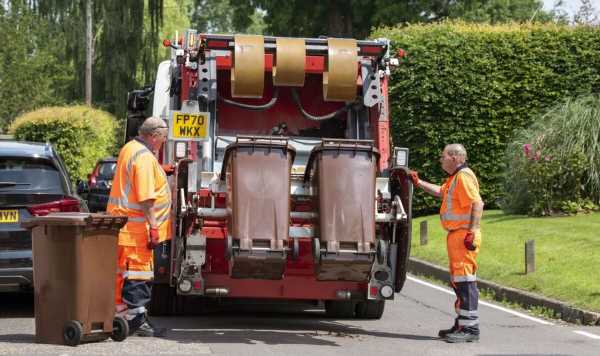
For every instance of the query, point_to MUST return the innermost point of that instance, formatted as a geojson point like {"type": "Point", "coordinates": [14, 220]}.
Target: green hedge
{"type": "Point", "coordinates": [80, 134]}
{"type": "Point", "coordinates": [477, 84]}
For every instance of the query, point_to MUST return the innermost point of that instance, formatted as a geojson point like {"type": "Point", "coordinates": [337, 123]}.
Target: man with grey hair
{"type": "Point", "coordinates": [460, 214]}
{"type": "Point", "coordinates": [141, 192]}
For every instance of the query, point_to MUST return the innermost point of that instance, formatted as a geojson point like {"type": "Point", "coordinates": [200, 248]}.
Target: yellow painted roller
{"type": "Point", "coordinates": [290, 59]}
{"type": "Point", "coordinates": [248, 72]}
{"type": "Point", "coordinates": [339, 78]}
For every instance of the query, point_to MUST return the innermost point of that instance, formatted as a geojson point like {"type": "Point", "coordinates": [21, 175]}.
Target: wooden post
{"type": "Point", "coordinates": [529, 256]}
{"type": "Point", "coordinates": [423, 232]}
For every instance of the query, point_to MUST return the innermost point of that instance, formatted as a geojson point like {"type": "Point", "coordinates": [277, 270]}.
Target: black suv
{"type": "Point", "coordinates": [99, 184]}
{"type": "Point", "coordinates": [33, 182]}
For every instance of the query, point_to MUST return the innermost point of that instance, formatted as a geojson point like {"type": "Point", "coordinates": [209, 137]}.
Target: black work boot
{"type": "Point", "coordinates": [148, 330]}
{"type": "Point", "coordinates": [462, 336]}
{"type": "Point", "coordinates": [443, 333]}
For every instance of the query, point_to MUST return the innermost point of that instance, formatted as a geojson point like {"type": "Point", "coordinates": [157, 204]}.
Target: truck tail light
{"type": "Point", "coordinates": [59, 206]}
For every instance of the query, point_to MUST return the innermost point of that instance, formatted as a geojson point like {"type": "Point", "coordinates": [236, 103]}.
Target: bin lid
{"type": "Point", "coordinates": [100, 221]}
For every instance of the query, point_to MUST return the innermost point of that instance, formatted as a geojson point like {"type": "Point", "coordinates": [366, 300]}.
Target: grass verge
{"type": "Point", "coordinates": [567, 254]}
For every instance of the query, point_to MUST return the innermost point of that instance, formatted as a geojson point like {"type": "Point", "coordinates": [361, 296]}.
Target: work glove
{"type": "Point", "coordinates": [168, 168]}
{"type": "Point", "coordinates": [152, 238]}
{"type": "Point", "coordinates": [414, 176]}
{"type": "Point", "coordinates": [470, 241]}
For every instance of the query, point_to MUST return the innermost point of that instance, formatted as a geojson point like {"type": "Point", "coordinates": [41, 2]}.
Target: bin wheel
{"type": "Point", "coordinates": [295, 249]}
{"type": "Point", "coordinates": [381, 251]}
{"type": "Point", "coordinates": [316, 246]}
{"type": "Point", "coordinates": [120, 329]}
{"type": "Point", "coordinates": [72, 332]}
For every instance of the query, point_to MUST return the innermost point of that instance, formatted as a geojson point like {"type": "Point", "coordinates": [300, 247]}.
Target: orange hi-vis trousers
{"type": "Point", "coordinates": [463, 268]}
{"type": "Point", "coordinates": [134, 277]}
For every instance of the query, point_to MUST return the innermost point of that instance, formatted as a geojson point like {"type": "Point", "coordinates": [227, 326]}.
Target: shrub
{"type": "Point", "coordinates": [477, 84]}
{"type": "Point", "coordinates": [554, 166]}
{"type": "Point", "coordinates": [80, 134]}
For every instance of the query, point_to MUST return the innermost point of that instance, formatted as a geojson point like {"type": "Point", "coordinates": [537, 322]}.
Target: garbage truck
{"type": "Point", "coordinates": [287, 186]}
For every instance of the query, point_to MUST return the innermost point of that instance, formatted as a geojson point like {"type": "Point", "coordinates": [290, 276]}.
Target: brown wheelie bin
{"type": "Point", "coordinates": [257, 173]}
{"type": "Point", "coordinates": [342, 175]}
{"type": "Point", "coordinates": [74, 272]}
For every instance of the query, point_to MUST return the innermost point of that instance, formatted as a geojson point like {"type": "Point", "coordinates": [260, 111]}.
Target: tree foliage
{"type": "Point", "coordinates": [81, 135]}
{"type": "Point", "coordinates": [356, 18]}
{"type": "Point", "coordinates": [33, 68]}
{"type": "Point", "coordinates": [122, 45]}
{"type": "Point", "coordinates": [477, 84]}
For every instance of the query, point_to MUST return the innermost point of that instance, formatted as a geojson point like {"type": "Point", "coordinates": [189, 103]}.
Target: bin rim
{"type": "Point", "coordinates": [272, 142]}
{"type": "Point", "coordinates": [340, 145]}
{"type": "Point", "coordinates": [75, 219]}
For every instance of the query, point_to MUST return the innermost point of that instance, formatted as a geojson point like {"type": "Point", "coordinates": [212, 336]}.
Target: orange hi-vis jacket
{"type": "Point", "coordinates": [458, 193]}
{"type": "Point", "coordinates": [139, 177]}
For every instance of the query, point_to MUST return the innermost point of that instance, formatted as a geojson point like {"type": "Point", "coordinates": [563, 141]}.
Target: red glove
{"type": "Point", "coordinates": [470, 241]}
{"type": "Point", "coordinates": [152, 238]}
{"type": "Point", "coordinates": [168, 168]}
{"type": "Point", "coordinates": [414, 176]}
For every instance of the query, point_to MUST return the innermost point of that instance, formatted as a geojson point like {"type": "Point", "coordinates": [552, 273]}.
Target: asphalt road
{"type": "Point", "coordinates": [409, 327]}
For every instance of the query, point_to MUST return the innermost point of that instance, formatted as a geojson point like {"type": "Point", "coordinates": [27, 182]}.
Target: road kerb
{"type": "Point", "coordinates": [527, 299]}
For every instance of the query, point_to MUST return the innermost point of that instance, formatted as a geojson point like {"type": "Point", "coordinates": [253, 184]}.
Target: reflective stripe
{"type": "Point", "coordinates": [468, 322]}
{"type": "Point", "coordinates": [143, 275]}
{"type": "Point", "coordinates": [136, 219]}
{"type": "Point", "coordinates": [455, 217]}
{"type": "Point", "coordinates": [138, 310]}
{"type": "Point", "coordinates": [467, 278]}
{"type": "Point", "coordinates": [124, 203]}
{"type": "Point", "coordinates": [471, 313]}
{"type": "Point", "coordinates": [449, 195]}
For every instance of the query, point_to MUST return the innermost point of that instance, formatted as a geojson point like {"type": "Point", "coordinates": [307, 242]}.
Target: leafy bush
{"type": "Point", "coordinates": [81, 134]}
{"type": "Point", "coordinates": [554, 166]}
{"type": "Point", "coordinates": [476, 85]}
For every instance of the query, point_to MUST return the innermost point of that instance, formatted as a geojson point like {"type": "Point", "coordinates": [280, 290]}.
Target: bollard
{"type": "Point", "coordinates": [423, 232]}
{"type": "Point", "coordinates": [529, 256]}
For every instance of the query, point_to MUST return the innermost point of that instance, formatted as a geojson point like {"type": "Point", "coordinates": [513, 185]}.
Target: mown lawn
{"type": "Point", "coordinates": [567, 254]}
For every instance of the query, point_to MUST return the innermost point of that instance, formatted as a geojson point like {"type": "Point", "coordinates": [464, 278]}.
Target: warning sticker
{"type": "Point", "coordinates": [189, 126]}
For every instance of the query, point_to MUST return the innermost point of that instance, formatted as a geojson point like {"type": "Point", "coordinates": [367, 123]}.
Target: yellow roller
{"type": "Point", "coordinates": [339, 79]}
{"type": "Point", "coordinates": [248, 72]}
{"type": "Point", "coordinates": [290, 59]}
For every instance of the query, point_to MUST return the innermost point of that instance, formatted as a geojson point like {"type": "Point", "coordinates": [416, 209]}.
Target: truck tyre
{"type": "Point", "coordinates": [163, 297]}
{"type": "Point", "coordinates": [370, 309]}
{"type": "Point", "coordinates": [342, 309]}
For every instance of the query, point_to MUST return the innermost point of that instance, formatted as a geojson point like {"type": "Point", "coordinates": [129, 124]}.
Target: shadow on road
{"type": "Point", "coordinates": [18, 338]}
{"type": "Point", "coordinates": [244, 327]}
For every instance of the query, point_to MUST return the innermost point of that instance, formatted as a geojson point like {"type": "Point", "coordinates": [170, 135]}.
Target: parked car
{"type": "Point", "coordinates": [99, 184]}
{"type": "Point", "coordinates": [33, 182]}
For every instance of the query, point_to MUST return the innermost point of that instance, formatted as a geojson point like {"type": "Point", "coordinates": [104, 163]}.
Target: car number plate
{"type": "Point", "coordinates": [9, 216]}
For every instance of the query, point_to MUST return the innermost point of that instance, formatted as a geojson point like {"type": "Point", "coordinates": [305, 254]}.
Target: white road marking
{"type": "Point", "coordinates": [493, 306]}
{"type": "Point", "coordinates": [585, 333]}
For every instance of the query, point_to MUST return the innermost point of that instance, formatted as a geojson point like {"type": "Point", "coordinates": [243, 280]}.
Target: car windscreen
{"type": "Point", "coordinates": [24, 175]}
{"type": "Point", "coordinates": [107, 170]}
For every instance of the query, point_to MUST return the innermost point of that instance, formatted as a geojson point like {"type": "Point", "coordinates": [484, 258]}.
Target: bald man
{"type": "Point", "coordinates": [460, 215]}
